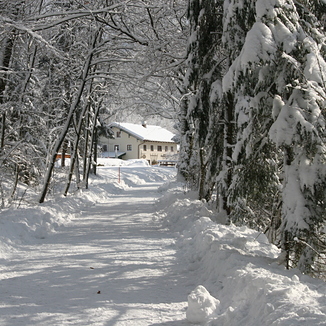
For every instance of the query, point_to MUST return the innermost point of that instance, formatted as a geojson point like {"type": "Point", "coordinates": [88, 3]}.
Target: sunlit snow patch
{"type": "Point", "coordinates": [201, 305]}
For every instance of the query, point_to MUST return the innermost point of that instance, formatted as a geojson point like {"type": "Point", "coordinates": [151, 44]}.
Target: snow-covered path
{"type": "Point", "coordinates": [110, 266]}
{"type": "Point", "coordinates": [114, 255]}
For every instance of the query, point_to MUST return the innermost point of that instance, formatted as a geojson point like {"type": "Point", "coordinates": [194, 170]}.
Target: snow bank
{"type": "Point", "coordinates": [239, 279]}
{"type": "Point", "coordinates": [178, 208]}
{"type": "Point", "coordinates": [118, 162]}
{"type": "Point", "coordinates": [201, 305]}
{"type": "Point", "coordinates": [30, 223]}
{"type": "Point", "coordinates": [33, 222]}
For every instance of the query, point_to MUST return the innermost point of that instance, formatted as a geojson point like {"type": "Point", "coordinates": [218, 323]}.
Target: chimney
{"type": "Point", "coordinates": [144, 124]}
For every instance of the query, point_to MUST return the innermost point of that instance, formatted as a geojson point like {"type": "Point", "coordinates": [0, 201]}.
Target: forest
{"type": "Point", "coordinates": [244, 82]}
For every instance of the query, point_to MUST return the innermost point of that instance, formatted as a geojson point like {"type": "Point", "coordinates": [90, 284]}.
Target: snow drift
{"type": "Point", "coordinates": [233, 272]}
{"type": "Point", "coordinates": [240, 281]}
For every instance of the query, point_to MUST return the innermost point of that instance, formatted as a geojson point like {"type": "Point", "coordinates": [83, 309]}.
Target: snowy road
{"type": "Point", "coordinates": [107, 257]}
{"type": "Point", "coordinates": [110, 266]}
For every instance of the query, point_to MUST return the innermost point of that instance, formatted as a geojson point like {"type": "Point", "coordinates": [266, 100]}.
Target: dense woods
{"type": "Point", "coordinates": [254, 131]}
{"type": "Point", "coordinates": [67, 67]}
{"type": "Point", "coordinates": [245, 81]}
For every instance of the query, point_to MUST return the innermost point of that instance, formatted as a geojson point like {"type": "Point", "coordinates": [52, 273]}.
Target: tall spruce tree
{"type": "Point", "coordinates": [238, 17]}
{"type": "Point", "coordinates": [252, 192]}
{"type": "Point", "coordinates": [201, 141]}
{"type": "Point", "coordinates": [278, 80]}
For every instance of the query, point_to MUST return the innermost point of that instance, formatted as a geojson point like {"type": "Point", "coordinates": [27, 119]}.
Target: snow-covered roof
{"type": "Point", "coordinates": [148, 133]}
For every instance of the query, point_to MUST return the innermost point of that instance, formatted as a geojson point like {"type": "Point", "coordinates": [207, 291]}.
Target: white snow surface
{"type": "Point", "coordinates": [144, 251]}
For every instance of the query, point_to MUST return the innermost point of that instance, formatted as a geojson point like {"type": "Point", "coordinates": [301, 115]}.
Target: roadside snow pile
{"type": "Point", "coordinates": [131, 173]}
{"type": "Point", "coordinates": [119, 162]}
{"type": "Point", "coordinates": [201, 305]}
{"type": "Point", "coordinates": [22, 224]}
{"type": "Point", "coordinates": [239, 280]}
{"type": "Point", "coordinates": [32, 221]}
{"type": "Point", "coordinates": [179, 207]}
{"type": "Point", "coordinates": [27, 224]}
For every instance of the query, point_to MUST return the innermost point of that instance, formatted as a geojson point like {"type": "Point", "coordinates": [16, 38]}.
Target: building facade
{"type": "Point", "coordinates": [132, 141]}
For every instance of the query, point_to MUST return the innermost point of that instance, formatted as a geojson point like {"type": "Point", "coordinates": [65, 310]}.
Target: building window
{"type": "Point", "coordinates": [152, 148]}
{"type": "Point", "coordinates": [159, 148]}
{"type": "Point", "coordinates": [105, 148]}
{"type": "Point", "coordinates": [144, 148]}
{"type": "Point", "coordinates": [118, 134]}
{"type": "Point", "coordinates": [116, 147]}
{"type": "Point", "coordinates": [129, 148]}
{"type": "Point", "coordinates": [166, 148]}
{"type": "Point", "coordinates": [172, 149]}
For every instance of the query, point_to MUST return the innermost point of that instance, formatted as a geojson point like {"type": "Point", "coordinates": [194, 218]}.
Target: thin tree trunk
{"type": "Point", "coordinates": [77, 174]}
{"type": "Point", "coordinates": [3, 124]}
{"type": "Point", "coordinates": [93, 142]}
{"type": "Point", "coordinates": [7, 47]}
{"type": "Point", "coordinates": [86, 147]}
{"type": "Point", "coordinates": [63, 153]}
{"type": "Point", "coordinates": [228, 150]}
{"type": "Point", "coordinates": [203, 171]}
{"type": "Point", "coordinates": [286, 236]}
{"type": "Point", "coordinates": [14, 188]}
{"type": "Point", "coordinates": [74, 156]}
{"type": "Point", "coordinates": [186, 146]}
{"type": "Point", "coordinates": [64, 131]}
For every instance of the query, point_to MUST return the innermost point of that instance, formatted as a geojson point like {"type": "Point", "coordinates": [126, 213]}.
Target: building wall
{"type": "Point", "coordinates": [134, 148]}
{"type": "Point", "coordinates": [156, 151]}
{"type": "Point", "coordinates": [125, 142]}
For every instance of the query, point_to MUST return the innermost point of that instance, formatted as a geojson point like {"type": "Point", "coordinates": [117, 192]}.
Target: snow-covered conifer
{"type": "Point", "coordinates": [202, 140]}
{"type": "Point", "coordinates": [279, 85]}
{"type": "Point", "coordinates": [238, 17]}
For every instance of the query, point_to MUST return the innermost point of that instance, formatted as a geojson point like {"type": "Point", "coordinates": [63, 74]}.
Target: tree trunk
{"type": "Point", "coordinates": [228, 150]}
{"type": "Point", "coordinates": [203, 171]}
{"type": "Point", "coordinates": [63, 153]}
{"type": "Point", "coordinates": [74, 157]}
{"type": "Point", "coordinates": [72, 110]}
{"type": "Point", "coordinates": [3, 124]}
{"type": "Point", "coordinates": [87, 148]}
{"type": "Point", "coordinates": [13, 190]}
{"type": "Point", "coordinates": [286, 236]}
{"type": "Point", "coordinates": [95, 152]}
{"type": "Point", "coordinates": [7, 47]}
{"type": "Point", "coordinates": [74, 154]}
{"type": "Point", "coordinates": [93, 142]}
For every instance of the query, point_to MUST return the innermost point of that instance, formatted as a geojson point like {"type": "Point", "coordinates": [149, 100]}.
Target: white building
{"type": "Point", "coordinates": [132, 141]}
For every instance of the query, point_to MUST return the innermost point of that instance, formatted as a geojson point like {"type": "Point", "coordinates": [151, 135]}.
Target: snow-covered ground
{"type": "Point", "coordinates": [138, 249]}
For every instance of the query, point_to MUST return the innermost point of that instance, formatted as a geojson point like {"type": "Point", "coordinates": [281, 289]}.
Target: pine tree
{"type": "Point", "coordinates": [201, 135]}
{"type": "Point", "coordinates": [278, 80]}
{"type": "Point", "coordinates": [238, 17]}
{"type": "Point", "coordinates": [252, 191]}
